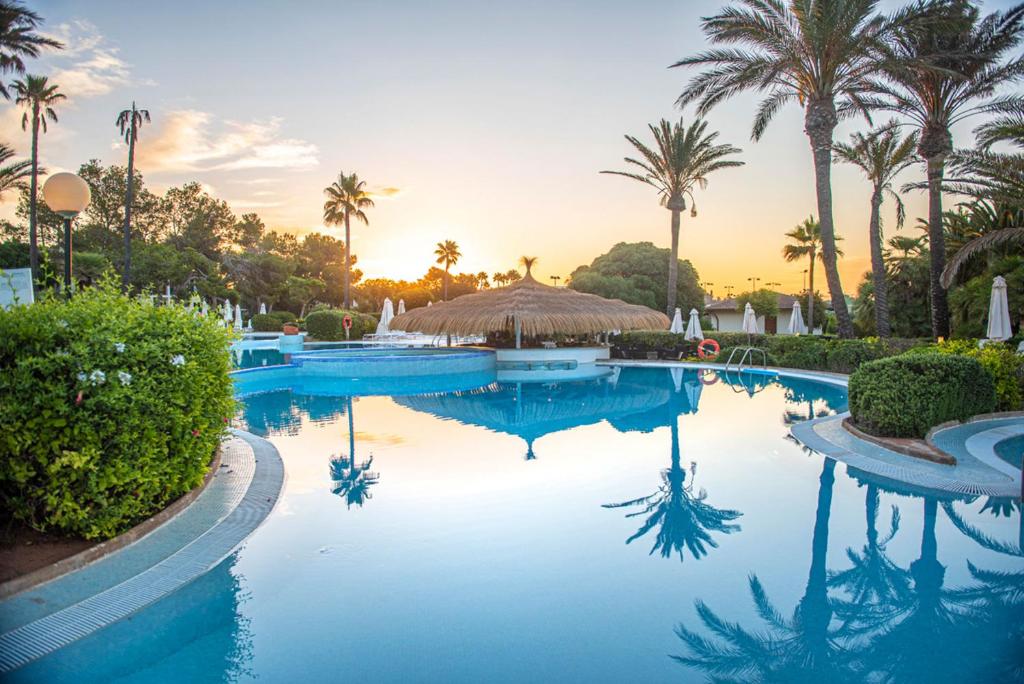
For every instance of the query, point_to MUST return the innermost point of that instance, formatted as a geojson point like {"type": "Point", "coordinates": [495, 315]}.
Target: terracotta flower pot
{"type": "Point", "coordinates": [291, 330]}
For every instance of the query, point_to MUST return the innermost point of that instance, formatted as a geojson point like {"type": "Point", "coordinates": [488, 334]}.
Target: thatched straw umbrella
{"type": "Point", "coordinates": [528, 307]}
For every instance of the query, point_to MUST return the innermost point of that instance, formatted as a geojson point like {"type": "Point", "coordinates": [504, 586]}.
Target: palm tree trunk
{"type": "Point", "coordinates": [33, 239]}
{"type": "Point", "coordinates": [810, 291]}
{"type": "Point", "coordinates": [814, 607]}
{"type": "Point", "coordinates": [878, 267]}
{"type": "Point", "coordinates": [446, 281]}
{"type": "Point", "coordinates": [128, 199]}
{"type": "Point", "coordinates": [937, 247]}
{"type": "Point", "coordinates": [819, 124]}
{"type": "Point", "coordinates": [351, 434]}
{"type": "Point", "coordinates": [348, 260]}
{"type": "Point", "coordinates": [673, 265]}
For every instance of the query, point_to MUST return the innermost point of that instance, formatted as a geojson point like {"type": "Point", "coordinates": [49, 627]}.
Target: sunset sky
{"type": "Point", "coordinates": [484, 123]}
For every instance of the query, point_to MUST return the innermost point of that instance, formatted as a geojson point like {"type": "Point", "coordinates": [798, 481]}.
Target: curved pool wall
{"type": "Point", "coordinates": [355, 372]}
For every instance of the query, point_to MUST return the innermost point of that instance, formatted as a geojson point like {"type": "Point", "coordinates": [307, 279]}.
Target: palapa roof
{"type": "Point", "coordinates": [540, 309]}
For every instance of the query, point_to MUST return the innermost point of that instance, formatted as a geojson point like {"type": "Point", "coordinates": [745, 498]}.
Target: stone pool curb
{"type": "Point", "coordinates": [40, 621]}
{"type": "Point", "coordinates": [58, 569]}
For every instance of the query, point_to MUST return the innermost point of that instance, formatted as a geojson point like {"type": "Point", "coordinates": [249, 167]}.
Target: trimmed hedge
{"type": "Point", "coordinates": [273, 321]}
{"type": "Point", "coordinates": [109, 409]}
{"type": "Point", "coordinates": [905, 396]}
{"type": "Point", "coordinates": [326, 325]}
{"type": "Point", "coordinates": [999, 360]}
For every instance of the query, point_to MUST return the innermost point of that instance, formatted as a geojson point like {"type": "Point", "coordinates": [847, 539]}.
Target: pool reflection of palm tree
{"type": "Point", "coordinates": [683, 518]}
{"type": "Point", "coordinates": [807, 647]}
{"type": "Point", "coordinates": [352, 480]}
{"type": "Point", "coordinates": [874, 583]}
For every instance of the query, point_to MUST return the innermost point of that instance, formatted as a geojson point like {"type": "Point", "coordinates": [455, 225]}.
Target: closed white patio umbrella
{"type": "Point", "coordinates": [386, 314]}
{"type": "Point", "coordinates": [263, 308]}
{"type": "Point", "coordinates": [796, 321]}
{"type": "Point", "coordinates": [227, 311]}
{"type": "Point", "coordinates": [238, 317]}
{"type": "Point", "coordinates": [999, 312]}
{"type": "Point", "coordinates": [677, 322]}
{"type": "Point", "coordinates": [749, 320]}
{"type": "Point", "coordinates": [430, 303]}
{"type": "Point", "coordinates": [401, 307]}
{"type": "Point", "coordinates": [693, 331]}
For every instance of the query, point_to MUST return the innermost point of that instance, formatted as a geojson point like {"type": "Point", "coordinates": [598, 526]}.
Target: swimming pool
{"type": "Point", "coordinates": [644, 526]}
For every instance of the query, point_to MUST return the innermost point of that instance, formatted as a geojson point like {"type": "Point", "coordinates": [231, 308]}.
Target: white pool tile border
{"type": "Point", "coordinates": [254, 496]}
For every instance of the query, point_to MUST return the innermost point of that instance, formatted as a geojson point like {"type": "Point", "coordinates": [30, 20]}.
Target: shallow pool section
{"type": "Point", "coordinates": [647, 525]}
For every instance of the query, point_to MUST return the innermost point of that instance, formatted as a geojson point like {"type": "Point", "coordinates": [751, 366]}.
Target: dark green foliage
{"type": "Point", "coordinates": [326, 325]}
{"type": "Point", "coordinates": [845, 356]}
{"type": "Point", "coordinates": [905, 396]}
{"type": "Point", "coordinates": [269, 322]}
{"type": "Point", "coordinates": [999, 360]}
{"type": "Point", "coordinates": [764, 302]}
{"type": "Point", "coordinates": [638, 273]}
{"type": "Point", "coordinates": [93, 439]}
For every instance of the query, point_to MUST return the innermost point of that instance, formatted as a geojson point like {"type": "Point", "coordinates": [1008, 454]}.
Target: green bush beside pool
{"type": "Point", "coordinates": [109, 409]}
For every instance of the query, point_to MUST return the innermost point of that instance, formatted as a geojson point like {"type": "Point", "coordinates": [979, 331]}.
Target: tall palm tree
{"type": "Point", "coordinates": [682, 161]}
{"type": "Point", "coordinates": [806, 242]}
{"type": "Point", "coordinates": [819, 53]}
{"type": "Point", "coordinates": [19, 40]}
{"type": "Point", "coordinates": [880, 155]}
{"type": "Point", "coordinates": [130, 121]}
{"type": "Point", "coordinates": [683, 518]}
{"type": "Point", "coordinates": [12, 175]}
{"type": "Point", "coordinates": [346, 198]}
{"type": "Point", "coordinates": [499, 278]}
{"type": "Point", "coordinates": [906, 245]}
{"type": "Point", "coordinates": [37, 96]}
{"type": "Point", "coordinates": [942, 72]}
{"type": "Point", "coordinates": [447, 253]}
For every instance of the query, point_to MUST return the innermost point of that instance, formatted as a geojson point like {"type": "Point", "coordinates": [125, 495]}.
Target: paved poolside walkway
{"type": "Point", "coordinates": [41, 620]}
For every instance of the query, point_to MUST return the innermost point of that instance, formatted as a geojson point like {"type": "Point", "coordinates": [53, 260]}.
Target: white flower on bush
{"type": "Point", "coordinates": [124, 377]}
{"type": "Point", "coordinates": [62, 324]}
{"type": "Point", "coordinates": [97, 377]}
{"type": "Point", "coordinates": [119, 347]}
{"type": "Point", "coordinates": [178, 360]}
{"type": "Point", "coordinates": [82, 377]}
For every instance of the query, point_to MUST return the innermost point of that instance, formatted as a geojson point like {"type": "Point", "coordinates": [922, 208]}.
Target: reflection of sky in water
{"type": "Point", "coordinates": [468, 562]}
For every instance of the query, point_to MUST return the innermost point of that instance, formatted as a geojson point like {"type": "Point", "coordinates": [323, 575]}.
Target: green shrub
{"type": "Point", "coordinates": [109, 409]}
{"type": "Point", "coordinates": [905, 396]}
{"type": "Point", "coordinates": [283, 317]}
{"type": "Point", "coordinates": [805, 352]}
{"type": "Point", "coordinates": [1004, 366]}
{"type": "Point", "coordinates": [845, 356]}
{"type": "Point", "coordinates": [326, 325]}
{"type": "Point", "coordinates": [265, 323]}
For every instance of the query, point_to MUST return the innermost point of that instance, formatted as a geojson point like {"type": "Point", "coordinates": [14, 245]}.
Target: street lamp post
{"type": "Point", "coordinates": [67, 195]}
{"type": "Point", "coordinates": [555, 279]}
{"type": "Point", "coordinates": [753, 280]}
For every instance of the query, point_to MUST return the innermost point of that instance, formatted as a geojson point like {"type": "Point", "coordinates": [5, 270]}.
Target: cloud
{"type": "Point", "coordinates": [386, 192]}
{"type": "Point", "coordinates": [87, 66]}
{"type": "Point", "coordinates": [192, 140]}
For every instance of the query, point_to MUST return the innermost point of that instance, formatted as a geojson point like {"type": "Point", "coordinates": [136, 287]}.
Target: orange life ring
{"type": "Point", "coordinates": [346, 322]}
{"type": "Point", "coordinates": [708, 342]}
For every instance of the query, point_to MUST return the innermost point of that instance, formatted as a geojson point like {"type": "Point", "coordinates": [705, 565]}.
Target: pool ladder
{"type": "Point", "coordinates": [747, 360]}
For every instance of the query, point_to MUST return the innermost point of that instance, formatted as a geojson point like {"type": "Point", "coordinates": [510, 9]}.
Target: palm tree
{"type": "Point", "coordinates": [483, 280]}
{"type": "Point", "coordinates": [942, 72]}
{"type": "Point", "coordinates": [683, 159]}
{"type": "Point", "coordinates": [37, 96]}
{"type": "Point", "coordinates": [13, 175]}
{"type": "Point", "coordinates": [19, 40]}
{"type": "Point", "coordinates": [683, 518]}
{"type": "Point", "coordinates": [130, 121]}
{"type": "Point", "coordinates": [907, 246]}
{"type": "Point", "coordinates": [880, 155]}
{"type": "Point", "coordinates": [447, 253]}
{"type": "Point", "coordinates": [347, 197]}
{"type": "Point", "coordinates": [806, 242]}
{"type": "Point", "coordinates": [819, 53]}
{"type": "Point", "coordinates": [499, 278]}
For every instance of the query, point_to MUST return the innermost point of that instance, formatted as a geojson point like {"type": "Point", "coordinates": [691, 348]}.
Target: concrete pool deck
{"type": "Point", "coordinates": [43, 619]}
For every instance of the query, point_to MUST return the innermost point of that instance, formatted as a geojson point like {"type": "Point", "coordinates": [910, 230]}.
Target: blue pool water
{"type": "Point", "coordinates": [639, 527]}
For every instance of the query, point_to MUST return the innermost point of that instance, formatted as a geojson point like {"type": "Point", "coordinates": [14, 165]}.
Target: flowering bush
{"type": "Point", "coordinates": [109, 409]}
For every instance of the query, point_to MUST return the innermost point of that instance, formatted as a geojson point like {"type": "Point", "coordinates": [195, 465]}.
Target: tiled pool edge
{"type": "Point", "coordinates": [28, 642]}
